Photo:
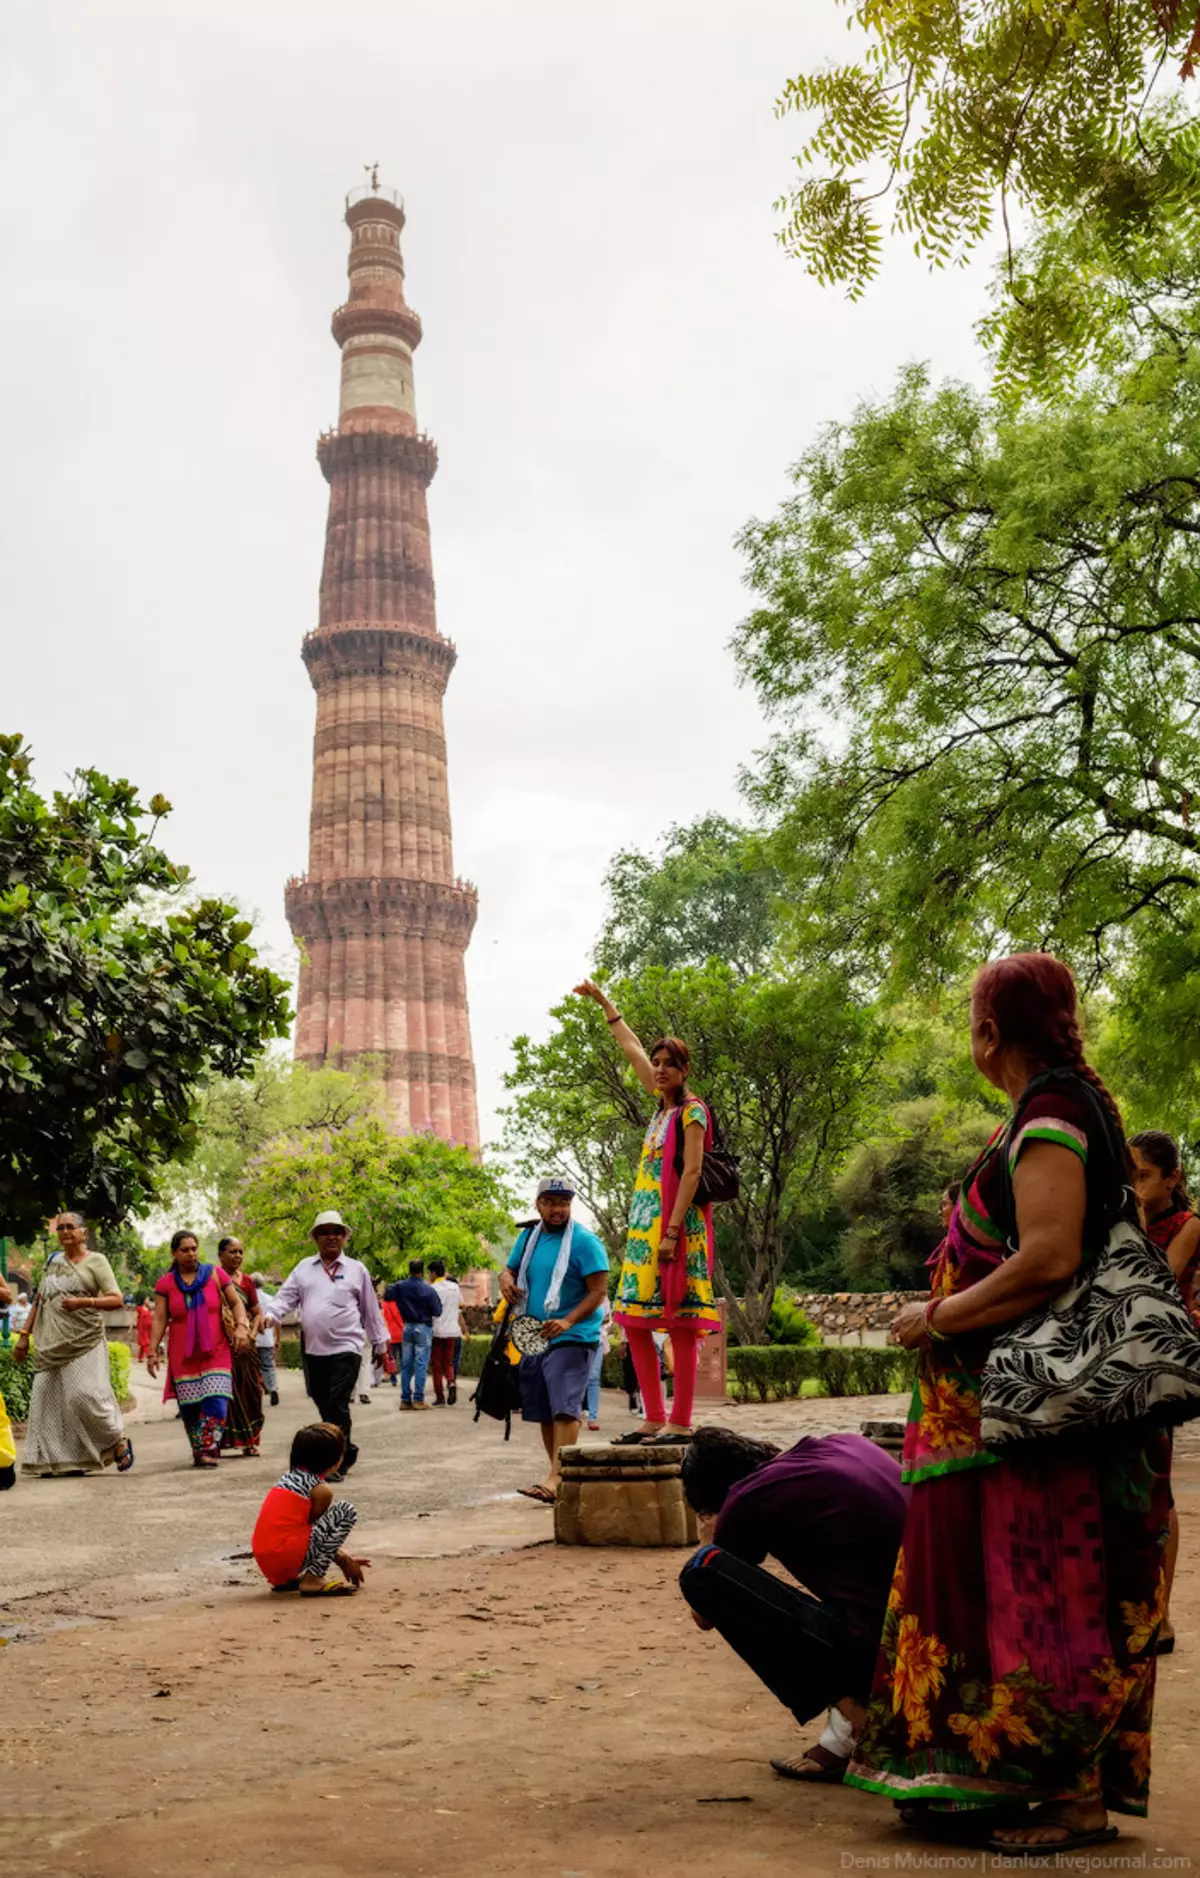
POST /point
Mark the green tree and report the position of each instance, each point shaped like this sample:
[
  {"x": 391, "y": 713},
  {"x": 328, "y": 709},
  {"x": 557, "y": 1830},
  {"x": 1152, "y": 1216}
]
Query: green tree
[
  {"x": 403, "y": 1196},
  {"x": 787, "y": 1063},
  {"x": 980, "y": 633},
  {"x": 960, "y": 115},
  {"x": 237, "y": 1117},
  {"x": 892, "y": 1184},
  {"x": 115, "y": 1006},
  {"x": 710, "y": 893}
]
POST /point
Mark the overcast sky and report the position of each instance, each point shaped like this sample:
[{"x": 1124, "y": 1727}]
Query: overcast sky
[{"x": 619, "y": 365}]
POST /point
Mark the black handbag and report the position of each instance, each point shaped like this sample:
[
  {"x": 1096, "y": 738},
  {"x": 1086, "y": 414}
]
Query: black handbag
[
  {"x": 1117, "y": 1346},
  {"x": 720, "y": 1176},
  {"x": 498, "y": 1392}
]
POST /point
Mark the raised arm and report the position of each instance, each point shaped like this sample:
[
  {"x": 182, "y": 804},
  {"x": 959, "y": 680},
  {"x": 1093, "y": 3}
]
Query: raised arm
[{"x": 621, "y": 1031}]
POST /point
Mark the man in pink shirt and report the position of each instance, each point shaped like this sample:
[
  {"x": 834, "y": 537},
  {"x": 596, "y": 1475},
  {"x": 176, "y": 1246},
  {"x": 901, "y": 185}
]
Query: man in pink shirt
[{"x": 335, "y": 1299}]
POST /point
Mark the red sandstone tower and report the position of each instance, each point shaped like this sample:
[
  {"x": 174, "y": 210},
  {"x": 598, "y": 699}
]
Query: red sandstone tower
[{"x": 381, "y": 921}]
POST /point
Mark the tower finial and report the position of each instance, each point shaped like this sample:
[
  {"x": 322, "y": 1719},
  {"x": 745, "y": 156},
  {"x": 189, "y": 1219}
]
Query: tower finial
[{"x": 372, "y": 170}]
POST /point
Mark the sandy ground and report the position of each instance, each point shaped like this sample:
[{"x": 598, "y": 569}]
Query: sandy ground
[{"x": 492, "y": 1704}]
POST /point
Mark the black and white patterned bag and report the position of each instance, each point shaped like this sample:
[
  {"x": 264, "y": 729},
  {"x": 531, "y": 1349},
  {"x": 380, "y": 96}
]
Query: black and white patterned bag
[{"x": 1117, "y": 1346}]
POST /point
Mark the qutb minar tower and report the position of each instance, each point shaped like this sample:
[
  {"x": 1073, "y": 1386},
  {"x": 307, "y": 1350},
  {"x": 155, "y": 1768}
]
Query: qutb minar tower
[{"x": 382, "y": 923}]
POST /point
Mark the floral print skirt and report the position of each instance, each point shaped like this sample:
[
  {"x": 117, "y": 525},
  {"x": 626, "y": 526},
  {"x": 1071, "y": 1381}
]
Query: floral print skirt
[{"x": 1017, "y": 1659}]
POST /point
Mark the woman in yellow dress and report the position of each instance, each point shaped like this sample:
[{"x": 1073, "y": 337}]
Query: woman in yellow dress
[{"x": 666, "y": 1276}]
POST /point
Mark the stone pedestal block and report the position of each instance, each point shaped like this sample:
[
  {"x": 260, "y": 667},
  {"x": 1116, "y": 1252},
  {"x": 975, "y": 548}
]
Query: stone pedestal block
[{"x": 623, "y": 1496}]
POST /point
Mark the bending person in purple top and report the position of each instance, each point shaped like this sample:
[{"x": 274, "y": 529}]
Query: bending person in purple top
[
  {"x": 336, "y": 1302},
  {"x": 831, "y": 1510}
]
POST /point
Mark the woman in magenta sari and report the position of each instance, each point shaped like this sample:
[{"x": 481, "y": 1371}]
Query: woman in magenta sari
[
  {"x": 187, "y": 1309},
  {"x": 1016, "y": 1668}
]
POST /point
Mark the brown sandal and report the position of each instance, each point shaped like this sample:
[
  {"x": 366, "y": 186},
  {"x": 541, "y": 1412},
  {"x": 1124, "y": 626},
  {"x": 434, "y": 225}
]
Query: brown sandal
[{"x": 829, "y": 1766}]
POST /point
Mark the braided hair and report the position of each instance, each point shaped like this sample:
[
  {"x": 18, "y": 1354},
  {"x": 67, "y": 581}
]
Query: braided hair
[
  {"x": 1031, "y": 999},
  {"x": 1163, "y": 1152}
]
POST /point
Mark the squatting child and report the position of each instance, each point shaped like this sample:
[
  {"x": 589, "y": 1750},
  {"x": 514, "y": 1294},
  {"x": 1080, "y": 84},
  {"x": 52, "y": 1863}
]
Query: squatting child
[{"x": 301, "y": 1528}]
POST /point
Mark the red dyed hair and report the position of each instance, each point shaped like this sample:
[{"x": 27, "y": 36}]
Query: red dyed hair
[{"x": 1031, "y": 999}]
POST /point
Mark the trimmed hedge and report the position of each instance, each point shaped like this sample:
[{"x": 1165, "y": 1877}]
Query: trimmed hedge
[
  {"x": 778, "y": 1370},
  {"x": 16, "y": 1379},
  {"x": 772, "y": 1373}
]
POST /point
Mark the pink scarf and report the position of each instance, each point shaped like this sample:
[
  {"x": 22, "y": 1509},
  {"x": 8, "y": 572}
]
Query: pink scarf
[{"x": 672, "y": 1273}]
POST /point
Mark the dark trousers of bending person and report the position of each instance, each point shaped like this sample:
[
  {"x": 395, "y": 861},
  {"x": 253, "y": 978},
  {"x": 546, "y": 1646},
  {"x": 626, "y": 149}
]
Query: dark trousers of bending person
[{"x": 794, "y": 1644}]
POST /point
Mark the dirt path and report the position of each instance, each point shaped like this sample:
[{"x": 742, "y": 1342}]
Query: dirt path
[{"x": 534, "y": 1711}]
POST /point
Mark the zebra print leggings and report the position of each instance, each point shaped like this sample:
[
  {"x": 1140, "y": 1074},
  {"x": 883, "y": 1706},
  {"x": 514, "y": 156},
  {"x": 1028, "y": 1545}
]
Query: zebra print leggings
[{"x": 329, "y": 1535}]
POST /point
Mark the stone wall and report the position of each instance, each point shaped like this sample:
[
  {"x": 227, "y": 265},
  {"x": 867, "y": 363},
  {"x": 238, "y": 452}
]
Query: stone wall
[{"x": 854, "y": 1316}]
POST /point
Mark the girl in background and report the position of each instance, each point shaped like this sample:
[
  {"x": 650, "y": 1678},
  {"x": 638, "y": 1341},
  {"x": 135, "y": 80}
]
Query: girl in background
[{"x": 1169, "y": 1220}]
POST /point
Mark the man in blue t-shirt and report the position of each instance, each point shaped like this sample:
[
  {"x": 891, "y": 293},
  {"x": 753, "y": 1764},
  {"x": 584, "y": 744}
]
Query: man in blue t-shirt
[{"x": 557, "y": 1272}]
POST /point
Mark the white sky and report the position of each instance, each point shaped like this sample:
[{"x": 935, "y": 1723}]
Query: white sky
[{"x": 619, "y": 366}]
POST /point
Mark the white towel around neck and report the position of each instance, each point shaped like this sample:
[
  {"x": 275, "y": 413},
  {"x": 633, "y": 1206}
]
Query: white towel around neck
[{"x": 554, "y": 1291}]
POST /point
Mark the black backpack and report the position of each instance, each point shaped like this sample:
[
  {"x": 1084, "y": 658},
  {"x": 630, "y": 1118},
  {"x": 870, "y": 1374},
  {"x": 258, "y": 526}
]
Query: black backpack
[
  {"x": 498, "y": 1393},
  {"x": 720, "y": 1179}
]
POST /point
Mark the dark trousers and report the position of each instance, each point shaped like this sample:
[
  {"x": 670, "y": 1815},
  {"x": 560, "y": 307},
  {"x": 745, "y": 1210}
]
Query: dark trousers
[
  {"x": 792, "y": 1643},
  {"x": 331, "y": 1382}
]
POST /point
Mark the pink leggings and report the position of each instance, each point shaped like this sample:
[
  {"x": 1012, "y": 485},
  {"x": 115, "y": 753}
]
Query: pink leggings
[{"x": 685, "y": 1346}]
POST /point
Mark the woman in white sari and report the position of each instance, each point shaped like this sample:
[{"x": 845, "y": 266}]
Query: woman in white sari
[{"x": 75, "y": 1425}]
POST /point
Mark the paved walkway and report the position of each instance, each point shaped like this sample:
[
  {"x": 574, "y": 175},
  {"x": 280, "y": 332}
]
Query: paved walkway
[{"x": 426, "y": 1485}]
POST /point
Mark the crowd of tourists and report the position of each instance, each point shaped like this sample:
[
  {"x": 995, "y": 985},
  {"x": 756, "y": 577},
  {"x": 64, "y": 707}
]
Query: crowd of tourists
[{"x": 979, "y": 1626}]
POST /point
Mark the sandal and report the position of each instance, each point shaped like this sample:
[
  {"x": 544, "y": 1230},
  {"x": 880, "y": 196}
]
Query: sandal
[
  {"x": 673, "y": 1438},
  {"x": 1075, "y": 1839},
  {"x": 335, "y": 1588},
  {"x": 293, "y": 1584},
  {"x": 126, "y": 1460},
  {"x": 962, "y": 1825},
  {"x": 206, "y": 1460},
  {"x": 829, "y": 1766},
  {"x": 634, "y": 1439},
  {"x": 542, "y": 1494}
]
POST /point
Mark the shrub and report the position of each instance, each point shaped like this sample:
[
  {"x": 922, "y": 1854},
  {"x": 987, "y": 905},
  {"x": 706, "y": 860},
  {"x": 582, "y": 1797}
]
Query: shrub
[
  {"x": 16, "y": 1379},
  {"x": 777, "y": 1371},
  {"x": 788, "y": 1325},
  {"x": 120, "y": 1363}
]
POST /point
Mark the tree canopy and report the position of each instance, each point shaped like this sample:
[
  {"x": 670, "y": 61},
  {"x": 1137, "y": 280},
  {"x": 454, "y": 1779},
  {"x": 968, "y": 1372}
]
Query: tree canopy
[
  {"x": 980, "y": 634},
  {"x": 709, "y": 893},
  {"x": 117, "y": 999},
  {"x": 236, "y": 1117},
  {"x": 403, "y": 1197},
  {"x": 959, "y": 115}
]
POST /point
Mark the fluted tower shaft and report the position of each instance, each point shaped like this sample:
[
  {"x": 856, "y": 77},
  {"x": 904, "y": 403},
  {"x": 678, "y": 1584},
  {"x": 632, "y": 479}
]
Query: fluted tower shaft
[{"x": 381, "y": 921}]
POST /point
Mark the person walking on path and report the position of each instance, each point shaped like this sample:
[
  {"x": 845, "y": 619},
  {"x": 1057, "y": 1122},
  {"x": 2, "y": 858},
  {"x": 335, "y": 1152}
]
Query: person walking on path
[
  {"x": 337, "y": 1306},
  {"x": 144, "y": 1317},
  {"x": 1017, "y": 1662},
  {"x": 395, "y": 1329},
  {"x": 832, "y": 1511},
  {"x": 418, "y": 1304},
  {"x": 592, "y": 1396},
  {"x": 75, "y": 1425},
  {"x": 557, "y": 1274},
  {"x": 267, "y": 1340},
  {"x": 666, "y": 1277},
  {"x": 191, "y": 1302},
  {"x": 243, "y": 1424},
  {"x": 446, "y": 1334},
  {"x": 1170, "y": 1222},
  {"x": 301, "y": 1529}
]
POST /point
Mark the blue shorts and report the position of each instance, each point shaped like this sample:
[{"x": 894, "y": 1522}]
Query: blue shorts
[{"x": 553, "y": 1385}]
